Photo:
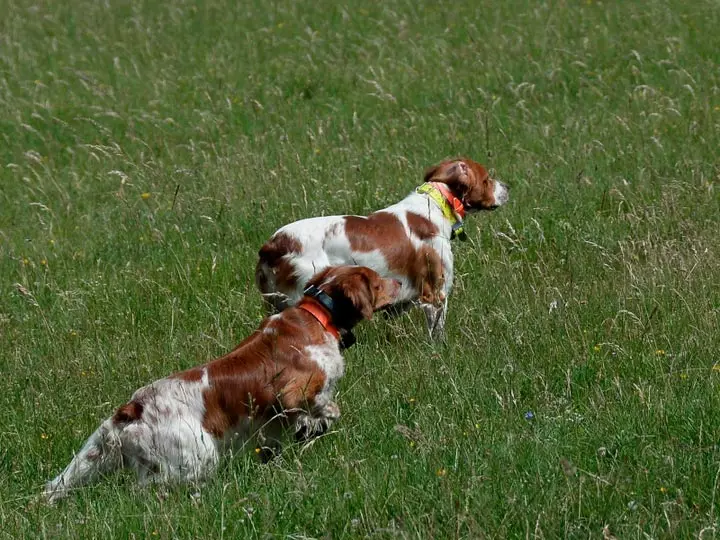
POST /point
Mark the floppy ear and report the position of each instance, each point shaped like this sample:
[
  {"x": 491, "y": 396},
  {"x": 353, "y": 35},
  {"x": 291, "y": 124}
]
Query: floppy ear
[
  {"x": 454, "y": 174},
  {"x": 358, "y": 291}
]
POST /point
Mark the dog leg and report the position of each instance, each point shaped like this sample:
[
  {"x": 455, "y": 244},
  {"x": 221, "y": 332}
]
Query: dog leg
[
  {"x": 435, "y": 318},
  {"x": 269, "y": 438},
  {"x": 309, "y": 425},
  {"x": 100, "y": 454}
]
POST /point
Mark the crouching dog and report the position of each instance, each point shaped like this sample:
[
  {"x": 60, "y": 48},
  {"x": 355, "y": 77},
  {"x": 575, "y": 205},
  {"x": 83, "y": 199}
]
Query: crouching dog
[{"x": 281, "y": 378}]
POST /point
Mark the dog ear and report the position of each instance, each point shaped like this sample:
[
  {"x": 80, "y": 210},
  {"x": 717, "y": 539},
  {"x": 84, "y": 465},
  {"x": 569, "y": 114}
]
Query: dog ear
[
  {"x": 454, "y": 174},
  {"x": 357, "y": 289}
]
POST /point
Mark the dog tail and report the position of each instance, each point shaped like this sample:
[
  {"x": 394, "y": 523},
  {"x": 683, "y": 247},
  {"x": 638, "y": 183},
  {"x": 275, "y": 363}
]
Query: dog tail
[
  {"x": 273, "y": 273},
  {"x": 101, "y": 454}
]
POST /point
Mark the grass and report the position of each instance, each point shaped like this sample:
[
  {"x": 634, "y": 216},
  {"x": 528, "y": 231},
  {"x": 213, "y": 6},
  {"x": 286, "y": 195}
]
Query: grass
[{"x": 147, "y": 149}]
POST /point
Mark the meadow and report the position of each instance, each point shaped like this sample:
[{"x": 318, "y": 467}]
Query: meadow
[{"x": 147, "y": 149}]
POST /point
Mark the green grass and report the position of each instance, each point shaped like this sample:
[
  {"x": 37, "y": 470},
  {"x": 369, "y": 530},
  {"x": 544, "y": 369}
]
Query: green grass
[{"x": 237, "y": 117}]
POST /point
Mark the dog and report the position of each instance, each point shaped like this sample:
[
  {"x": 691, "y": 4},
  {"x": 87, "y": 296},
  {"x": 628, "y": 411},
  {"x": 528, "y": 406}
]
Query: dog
[
  {"x": 408, "y": 241},
  {"x": 280, "y": 378}
]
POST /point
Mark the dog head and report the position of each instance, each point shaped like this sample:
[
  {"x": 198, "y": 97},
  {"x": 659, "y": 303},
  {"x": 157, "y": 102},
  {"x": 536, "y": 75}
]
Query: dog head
[
  {"x": 356, "y": 291},
  {"x": 469, "y": 182}
]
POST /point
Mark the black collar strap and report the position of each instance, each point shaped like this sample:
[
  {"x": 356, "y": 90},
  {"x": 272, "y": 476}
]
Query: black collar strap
[
  {"x": 347, "y": 338},
  {"x": 325, "y": 301}
]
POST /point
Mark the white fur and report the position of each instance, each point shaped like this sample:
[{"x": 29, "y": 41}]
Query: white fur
[
  {"x": 169, "y": 444},
  {"x": 500, "y": 193},
  {"x": 328, "y": 358},
  {"x": 325, "y": 243}
]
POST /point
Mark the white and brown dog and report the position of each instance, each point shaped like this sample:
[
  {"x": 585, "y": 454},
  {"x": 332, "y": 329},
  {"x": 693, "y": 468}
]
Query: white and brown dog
[
  {"x": 408, "y": 241},
  {"x": 281, "y": 377}
]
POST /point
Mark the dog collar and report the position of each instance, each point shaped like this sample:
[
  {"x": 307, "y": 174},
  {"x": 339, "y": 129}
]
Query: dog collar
[
  {"x": 452, "y": 207},
  {"x": 321, "y": 306}
]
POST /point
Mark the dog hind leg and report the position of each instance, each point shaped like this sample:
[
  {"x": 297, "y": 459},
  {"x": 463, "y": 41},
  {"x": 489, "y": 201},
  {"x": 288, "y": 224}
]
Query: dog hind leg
[{"x": 100, "y": 454}]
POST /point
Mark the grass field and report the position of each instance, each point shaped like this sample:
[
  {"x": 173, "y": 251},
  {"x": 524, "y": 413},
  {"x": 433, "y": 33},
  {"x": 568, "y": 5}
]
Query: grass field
[{"x": 147, "y": 149}]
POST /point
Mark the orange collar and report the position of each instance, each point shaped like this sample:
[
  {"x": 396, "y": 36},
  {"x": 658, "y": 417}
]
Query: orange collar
[
  {"x": 317, "y": 310},
  {"x": 456, "y": 204}
]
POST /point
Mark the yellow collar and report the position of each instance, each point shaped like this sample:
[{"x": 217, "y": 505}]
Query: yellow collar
[{"x": 441, "y": 199}]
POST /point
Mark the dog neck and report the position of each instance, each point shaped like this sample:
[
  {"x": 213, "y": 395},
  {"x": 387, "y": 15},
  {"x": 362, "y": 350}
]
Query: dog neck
[{"x": 323, "y": 308}]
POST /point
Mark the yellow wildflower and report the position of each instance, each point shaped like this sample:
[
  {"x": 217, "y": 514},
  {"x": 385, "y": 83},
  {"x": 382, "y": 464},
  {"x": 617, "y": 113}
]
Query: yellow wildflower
[
  {"x": 145, "y": 196},
  {"x": 441, "y": 473},
  {"x": 660, "y": 352}
]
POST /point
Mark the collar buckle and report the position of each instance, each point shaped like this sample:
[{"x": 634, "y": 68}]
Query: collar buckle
[{"x": 458, "y": 231}]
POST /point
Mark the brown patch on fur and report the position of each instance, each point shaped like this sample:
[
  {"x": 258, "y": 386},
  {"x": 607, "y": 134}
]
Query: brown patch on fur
[
  {"x": 269, "y": 373},
  {"x": 190, "y": 375},
  {"x": 421, "y": 226},
  {"x": 431, "y": 278},
  {"x": 385, "y": 232},
  {"x": 364, "y": 288},
  {"x": 468, "y": 180},
  {"x": 130, "y": 412},
  {"x": 273, "y": 254},
  {"x": 266, "y": 374}
]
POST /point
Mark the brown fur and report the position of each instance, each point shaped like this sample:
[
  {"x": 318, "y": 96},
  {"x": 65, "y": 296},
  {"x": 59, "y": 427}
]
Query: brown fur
[
  {"x": 468, "y": 180},
  {"x": 269, "y": 373},
  {"x": 129, "y": 412},
  {"x": 385, "y": 232},
  {"x": 421, "y": 226},
  {"x": 273, "y": 254}
]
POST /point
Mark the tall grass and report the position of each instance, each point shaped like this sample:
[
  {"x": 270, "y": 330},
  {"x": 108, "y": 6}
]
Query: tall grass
[{"x": 148, "y": 148}]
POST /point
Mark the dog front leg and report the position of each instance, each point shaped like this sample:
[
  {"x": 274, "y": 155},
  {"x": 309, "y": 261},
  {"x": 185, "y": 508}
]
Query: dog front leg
[
  {"x": 317, "y": 422},
  {"x": 435, "y": 317}
]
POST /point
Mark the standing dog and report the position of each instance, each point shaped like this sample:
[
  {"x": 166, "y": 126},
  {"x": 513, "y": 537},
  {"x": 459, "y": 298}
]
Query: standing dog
[
  {"x": 408, "y": 241},
  {"x": 282, "y": 376}
]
